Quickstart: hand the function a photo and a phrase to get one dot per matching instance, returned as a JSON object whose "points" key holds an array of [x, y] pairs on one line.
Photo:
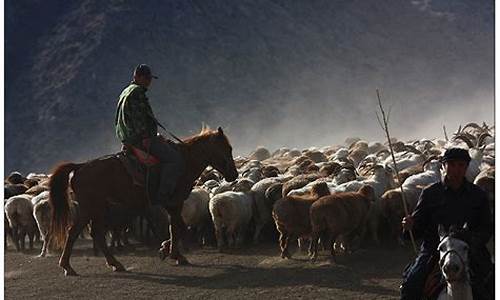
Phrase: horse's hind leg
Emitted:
{"points": [[73, 233], [97, 233]]}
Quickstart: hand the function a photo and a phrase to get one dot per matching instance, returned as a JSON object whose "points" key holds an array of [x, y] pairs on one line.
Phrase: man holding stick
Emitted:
{"points": [[453, 201]]}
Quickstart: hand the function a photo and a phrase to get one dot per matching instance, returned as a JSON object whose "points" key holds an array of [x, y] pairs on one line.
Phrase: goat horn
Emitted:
{"points": [[482, 137], [473, 125], [428, 142], [465, 139], [482, 149], [413, 149], [381, 151], [466, 134]]}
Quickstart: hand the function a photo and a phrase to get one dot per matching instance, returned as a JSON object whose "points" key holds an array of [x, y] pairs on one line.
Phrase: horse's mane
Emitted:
{"points": [[205, 133]]}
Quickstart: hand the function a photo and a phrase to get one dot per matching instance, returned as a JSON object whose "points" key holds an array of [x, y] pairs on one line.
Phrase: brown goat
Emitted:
{"points": [[392, 210], [291, 216], [339, 214]]}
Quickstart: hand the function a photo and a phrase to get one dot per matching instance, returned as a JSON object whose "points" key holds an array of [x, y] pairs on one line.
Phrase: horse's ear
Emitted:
{"points": [[466, 226], [442, 231], [219, 130]]}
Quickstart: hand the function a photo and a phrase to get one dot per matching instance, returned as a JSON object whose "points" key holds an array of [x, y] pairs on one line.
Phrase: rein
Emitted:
{"points": [[170, 133]]}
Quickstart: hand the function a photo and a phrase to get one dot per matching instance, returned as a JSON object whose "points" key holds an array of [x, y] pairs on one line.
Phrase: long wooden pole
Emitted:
{"points": [[385, 127]]}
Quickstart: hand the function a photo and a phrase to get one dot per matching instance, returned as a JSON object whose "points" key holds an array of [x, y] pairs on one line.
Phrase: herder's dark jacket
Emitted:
{"points": [[439, 204]]}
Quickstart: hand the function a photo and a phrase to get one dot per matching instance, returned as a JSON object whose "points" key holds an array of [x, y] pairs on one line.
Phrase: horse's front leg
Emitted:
{"points": [[177, 232]]}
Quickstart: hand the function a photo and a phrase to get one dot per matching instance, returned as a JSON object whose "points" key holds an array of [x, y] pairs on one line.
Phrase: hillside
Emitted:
{"points": [[272, 72]]}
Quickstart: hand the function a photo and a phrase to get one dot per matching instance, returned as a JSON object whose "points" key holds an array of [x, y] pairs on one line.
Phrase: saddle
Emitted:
{"points": [[143, 167]]}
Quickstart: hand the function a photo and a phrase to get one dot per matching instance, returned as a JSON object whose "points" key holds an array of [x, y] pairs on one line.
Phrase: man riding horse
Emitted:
{"points": [[103, 186], [137, 126], [451, 202]]}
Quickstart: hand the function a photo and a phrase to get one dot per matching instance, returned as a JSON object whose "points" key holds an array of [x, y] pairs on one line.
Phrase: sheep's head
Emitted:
{"points": [[367, 192], [320, 189]]}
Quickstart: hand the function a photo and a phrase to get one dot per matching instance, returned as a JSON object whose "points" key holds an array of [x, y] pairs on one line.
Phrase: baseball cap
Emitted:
{"points": [[456, 154], [144, 70]]}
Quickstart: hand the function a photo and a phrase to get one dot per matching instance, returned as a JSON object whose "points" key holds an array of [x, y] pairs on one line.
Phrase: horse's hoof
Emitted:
{"points": [[162, 255], [163, 252], [118, 268], [70, 272], [41, 255]]}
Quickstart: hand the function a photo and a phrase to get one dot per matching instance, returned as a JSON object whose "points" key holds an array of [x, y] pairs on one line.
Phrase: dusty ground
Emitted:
{"points": [[254, 273]]}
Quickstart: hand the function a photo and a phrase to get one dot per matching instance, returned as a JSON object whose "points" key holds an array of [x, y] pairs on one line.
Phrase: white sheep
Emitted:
{"points": [[42, 196], [263, 212], [19, 213], [341, 154], [475, 164], [195, 212], [42, 212], [431, 174], [381, 181], [404, 160], [255, 174], [231, 213]]}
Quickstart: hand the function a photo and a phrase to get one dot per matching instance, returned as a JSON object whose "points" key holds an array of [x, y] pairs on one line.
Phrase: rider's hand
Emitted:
{"points": [[407, 223]]}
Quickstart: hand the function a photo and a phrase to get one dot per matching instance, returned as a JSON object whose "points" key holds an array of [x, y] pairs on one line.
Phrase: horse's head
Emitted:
{"points": [[453, 255], [220, 155]]}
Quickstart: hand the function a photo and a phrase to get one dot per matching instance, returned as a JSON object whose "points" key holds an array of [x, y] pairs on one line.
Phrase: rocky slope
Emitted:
{"points": [[272, 72]]}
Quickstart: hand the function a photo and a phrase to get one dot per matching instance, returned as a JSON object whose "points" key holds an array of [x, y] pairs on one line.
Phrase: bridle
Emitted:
{"points": [[462, 261]]}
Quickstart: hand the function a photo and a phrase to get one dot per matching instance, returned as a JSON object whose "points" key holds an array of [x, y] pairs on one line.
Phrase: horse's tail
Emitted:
{"points": [[58, 191]]}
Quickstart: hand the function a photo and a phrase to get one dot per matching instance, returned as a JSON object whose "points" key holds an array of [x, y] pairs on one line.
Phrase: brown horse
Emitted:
{"points": [[102, 183]]}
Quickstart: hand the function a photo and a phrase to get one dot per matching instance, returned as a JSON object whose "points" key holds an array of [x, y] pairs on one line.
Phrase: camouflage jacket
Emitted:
{"points": [[134, 118]]}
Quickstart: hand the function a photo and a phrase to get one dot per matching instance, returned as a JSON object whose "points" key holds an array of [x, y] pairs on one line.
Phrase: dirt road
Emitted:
{"points": [[256, 272]]}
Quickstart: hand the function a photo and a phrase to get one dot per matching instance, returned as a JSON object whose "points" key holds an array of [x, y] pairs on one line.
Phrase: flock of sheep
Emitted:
{"points": [[334, 195]]}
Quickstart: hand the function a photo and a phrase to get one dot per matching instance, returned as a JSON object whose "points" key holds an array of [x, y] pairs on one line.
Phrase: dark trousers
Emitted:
{"points": [[414, 277], [172, 166]]}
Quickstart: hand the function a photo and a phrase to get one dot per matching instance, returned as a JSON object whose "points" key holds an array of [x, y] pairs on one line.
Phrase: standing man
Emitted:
{"points": [[453, 201], [136, 125]]}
